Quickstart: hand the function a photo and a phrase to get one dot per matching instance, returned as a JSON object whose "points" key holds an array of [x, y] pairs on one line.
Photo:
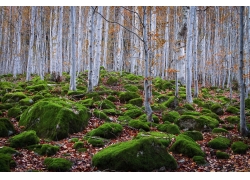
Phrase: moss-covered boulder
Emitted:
{"points": [[189, 107], [6, 127], [187, 122], [105, 104], [233, 119], [24, 139], [6, 162], [26, 102], [233, 110], [139, 125], [219, 130], [143, 154], [199, 160], [113, 112], [247, 103], [13, 97], [217, 109], [187, 146], [137, 102], [170, 116], [38, 87], [170, 103], [78, 144], [87, 102], [144, 118], [57, 164], [222, 155], [133, 113], [195, 135], [101, 115], [112, 81], [239, 147], [132, 88], [219, 143], [44, 149], [96, 142], [55, 118], [14, 112], [107, 130], [169, 128], [126, 96], [7, 150]]}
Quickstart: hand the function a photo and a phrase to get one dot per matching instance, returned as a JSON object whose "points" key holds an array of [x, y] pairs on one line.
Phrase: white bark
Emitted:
{"points": [[106, 35], [119, 50], [59, 41], [73, 49], [54, 39], [196, 35]]}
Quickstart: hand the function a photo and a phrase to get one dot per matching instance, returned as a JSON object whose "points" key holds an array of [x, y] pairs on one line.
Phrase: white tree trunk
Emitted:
{"points": [[60, 41], [119, 50], [106, 35], [54, 39], [196, 35], [73, 49]]}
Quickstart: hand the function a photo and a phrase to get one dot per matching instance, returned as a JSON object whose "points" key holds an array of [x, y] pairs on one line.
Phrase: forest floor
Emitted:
{"points": [[82, 161]]}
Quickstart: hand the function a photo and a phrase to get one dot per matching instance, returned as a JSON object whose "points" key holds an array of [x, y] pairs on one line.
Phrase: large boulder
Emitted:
{"points": [[55, 118], [143, 154], [6, 127]]}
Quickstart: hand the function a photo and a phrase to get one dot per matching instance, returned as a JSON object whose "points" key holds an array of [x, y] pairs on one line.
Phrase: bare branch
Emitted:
{"points": [[135, 13]]}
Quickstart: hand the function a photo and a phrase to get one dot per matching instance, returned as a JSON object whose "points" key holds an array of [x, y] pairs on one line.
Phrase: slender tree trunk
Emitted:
{"points": [[106, 35], [204, 52], [60, 41], [73, 49]]}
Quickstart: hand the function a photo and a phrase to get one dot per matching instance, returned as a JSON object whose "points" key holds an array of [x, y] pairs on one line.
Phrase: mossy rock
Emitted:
{"points": [[14, 112], [37, 97], [139, 125], [13, 97], [6, 86], [233, 119], [55, 118], [187, 122], [137, 102], [126, 96], [113, 112], [101, 115], [96, 142], [192, 113], [6, 162], [143, 154], [26, 102], [171, 116], [200, 160], [6, 106], [38, 87], [107, 130], [222, 155], [74, 140], [105, 104], [239, 147], [133, 113], [8, 150], [217, 109], [170, 103], [213, 115], [6, 127], [195, 135], [228, 126], [187, 146], [93, 95], [207, 121], [112, 98], [206, 111], [112, 81], [77, 92], [182, 95], [199, 102], [132, 88], [24, 139], [219, 143], [189, 107], [124, 119], [144, 118], [57, 164], [162, 98], [78, 144], [169, 128], [219, 130], [44, 149], [87, 102], [232, 110]]}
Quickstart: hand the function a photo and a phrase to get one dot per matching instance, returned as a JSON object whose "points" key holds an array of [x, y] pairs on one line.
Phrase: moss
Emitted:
{"points": [[239, 147], [13, 97], [133, 113], [158, 107], [26, 101], [55, 118], [228, 126], [144, 118], [124, 119], [44, 149], [112, 112], [222, 155], [161, 98], [137, 102], [112, 81], [87, 102], [199, 102], [219, 143], [107, 130], [233, 119], [105, 104], [24, 139], [139, 125], [206, 111], [78, 145], [208, 121], [213, 115], [112, 98], [14, 112], [189, 107], [132, 88], [6, 127], [217, 109], [101, 115], [77, 92], [74, 140], [57, 164], [186, 146], [93, 95], [130, 106], [169, 128], [199, 160], [144, 154], [5, 106], [195, 135], [219, 130], [38, 87], [192, 113], [126, 96], [232, 110], [170, 103], [187, 122], [6, 162], [96, 142], [7, 150], [37, 97]]}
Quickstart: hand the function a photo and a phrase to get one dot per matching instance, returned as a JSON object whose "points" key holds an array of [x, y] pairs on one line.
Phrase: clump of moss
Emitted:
{"points": [[26, 101], [13, 97], [87, 102], [105, 104], [112, 112], [132, 88], [124, 119], [44, 149], [6, 162], [170, 116], [144, 118], [107, 130], [96, 142], [112, 98], [247, 103], [195, 135], [219, 130], [186, 146], [170, 103], [222, 155], [162, 98], [239, 147], [187, 122], [7, 150], [24, 139], [93, 95], [139, 125], [217, 109], [199, 160], [135, 155], [192, 113], [233, 119], [78, 144], [169, 128], [38, 87], [112, 81], [74, 140], [232, 110], [219, 143], [133, 113], [57, 164], [228, 126], [197, 101], [206, 111], [101, 115], [14, 112], [6, 106], [6, 127], [189, 107], [137, 102], [126, 96]]}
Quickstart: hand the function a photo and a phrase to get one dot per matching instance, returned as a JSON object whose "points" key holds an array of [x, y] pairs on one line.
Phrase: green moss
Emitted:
{"points": [[26, 101], [195, 135], [78, 145], [57, 164], [162, 98], [228, 126], [219, 143], [189, 107], [24, 139], [105, 104], [222, 155], [107, 130], [124, 119], [239, 147], [169, 128], [93, 95], [74, 140], [139, 125], [137, 102], [144, 154], [77, 92], [182, 95], [87, 102], [44, 149], [187, 122], [208, 121], [38, 87], [233, 119], [170, 103], [6, 127], [37, 97], [126, 96], [132, 88], [14, 112], [112, 81], [219, 130], [232, 110], [199, 102], [133, 113], [144, 118], [6, 106], [6, 162], [13, 97], [217, 109], [186, 146], [96, 142], [101, 115], [55, 118], [206, 111], [112, 98], [192, 113], [199, 160], [170, 116], [112, 112]]}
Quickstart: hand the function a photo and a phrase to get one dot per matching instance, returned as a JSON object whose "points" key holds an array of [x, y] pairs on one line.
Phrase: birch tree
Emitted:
{"points": [[73, 50]]}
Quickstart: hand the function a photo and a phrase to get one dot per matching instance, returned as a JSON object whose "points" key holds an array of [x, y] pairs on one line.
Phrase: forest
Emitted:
{"points": [[124, 89]]}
